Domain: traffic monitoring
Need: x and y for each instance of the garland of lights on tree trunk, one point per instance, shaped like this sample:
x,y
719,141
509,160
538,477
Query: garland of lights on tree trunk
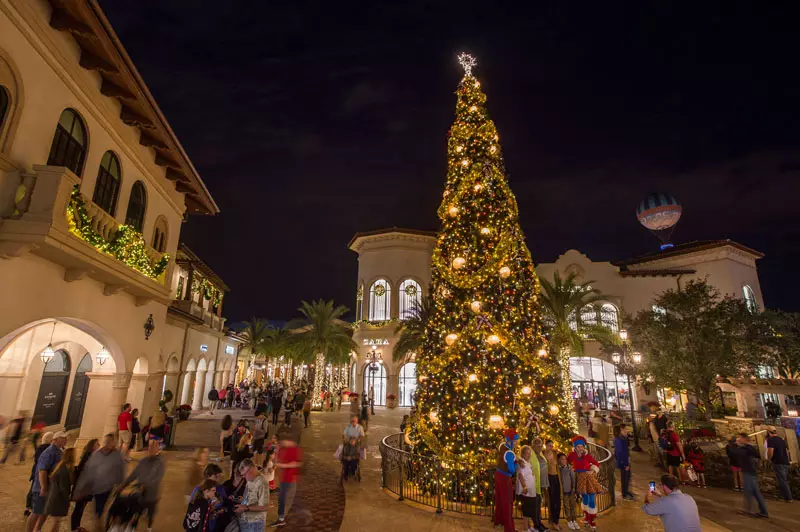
x,y
484,362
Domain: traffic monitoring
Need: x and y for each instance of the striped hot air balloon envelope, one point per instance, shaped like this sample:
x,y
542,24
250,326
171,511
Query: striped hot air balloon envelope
x,y
659,211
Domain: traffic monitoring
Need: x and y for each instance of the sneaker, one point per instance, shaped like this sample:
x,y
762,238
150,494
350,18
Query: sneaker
x,y
576,525
629,498
279,522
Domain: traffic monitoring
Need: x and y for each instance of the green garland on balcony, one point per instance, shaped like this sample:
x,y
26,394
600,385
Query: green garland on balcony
x,y
201,285
127,245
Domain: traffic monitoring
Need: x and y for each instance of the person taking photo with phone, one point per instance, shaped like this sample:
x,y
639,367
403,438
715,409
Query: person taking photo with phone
x,y
677,511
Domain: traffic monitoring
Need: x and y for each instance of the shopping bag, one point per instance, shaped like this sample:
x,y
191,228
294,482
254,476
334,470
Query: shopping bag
x,y
363,454
691,473
338,453
683,473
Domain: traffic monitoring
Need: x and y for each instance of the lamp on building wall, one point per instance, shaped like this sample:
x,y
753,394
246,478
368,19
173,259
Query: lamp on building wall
x,y
149,327
102,356
48,353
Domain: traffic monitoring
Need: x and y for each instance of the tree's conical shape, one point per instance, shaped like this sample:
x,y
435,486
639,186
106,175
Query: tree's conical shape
x,y
482,364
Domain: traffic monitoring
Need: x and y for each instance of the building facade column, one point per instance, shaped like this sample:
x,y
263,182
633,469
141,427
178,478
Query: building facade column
x,y
152,395
208,383
171,384
199,386
187,389
136,391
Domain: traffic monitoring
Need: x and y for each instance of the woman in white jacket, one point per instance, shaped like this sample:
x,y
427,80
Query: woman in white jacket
x,y
529,490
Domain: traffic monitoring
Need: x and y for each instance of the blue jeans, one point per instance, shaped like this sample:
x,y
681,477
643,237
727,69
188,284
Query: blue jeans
x,y
285,498
751,490
252,526
781,474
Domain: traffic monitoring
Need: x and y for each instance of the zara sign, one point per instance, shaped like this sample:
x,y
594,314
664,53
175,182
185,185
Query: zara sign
x,y
375,341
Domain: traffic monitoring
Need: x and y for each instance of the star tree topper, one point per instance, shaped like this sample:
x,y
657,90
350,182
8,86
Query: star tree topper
x,y
467,62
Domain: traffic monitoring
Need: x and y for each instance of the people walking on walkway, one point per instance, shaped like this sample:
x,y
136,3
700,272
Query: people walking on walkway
x,y
554,489
677,511
221,398
289,462
15,437
586,469
260,430
253,509
158,424
364,417
136,431
213,398
47,439
306,411
58,493
47,462
622,456
778,454
673,448
697,458
104,471
747,456
196,468
353,430
201,508
733,460
81,502
275,403
149,473
225,437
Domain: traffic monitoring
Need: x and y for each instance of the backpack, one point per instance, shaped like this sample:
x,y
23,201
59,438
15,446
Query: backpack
x,y
196,516
665,443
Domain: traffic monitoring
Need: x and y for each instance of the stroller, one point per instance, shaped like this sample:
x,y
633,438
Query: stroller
x,y
125,509
351,461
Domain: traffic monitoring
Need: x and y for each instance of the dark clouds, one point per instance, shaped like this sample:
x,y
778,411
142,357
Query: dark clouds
x,y
315,120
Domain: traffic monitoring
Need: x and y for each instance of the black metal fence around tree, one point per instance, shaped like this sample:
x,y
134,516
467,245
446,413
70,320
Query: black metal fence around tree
x,y
456,487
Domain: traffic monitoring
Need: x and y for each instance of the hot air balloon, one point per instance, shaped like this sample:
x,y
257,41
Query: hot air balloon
x,y
659,212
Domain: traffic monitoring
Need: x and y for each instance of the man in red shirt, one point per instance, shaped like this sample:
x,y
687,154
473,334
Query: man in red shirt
x,y
675,454
289,462
125,422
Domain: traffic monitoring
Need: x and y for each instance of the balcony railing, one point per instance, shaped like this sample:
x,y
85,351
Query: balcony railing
x,y
49,217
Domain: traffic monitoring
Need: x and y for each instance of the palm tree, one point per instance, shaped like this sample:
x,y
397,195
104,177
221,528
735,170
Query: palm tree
x,y
322,336
411,331
255,332
564,302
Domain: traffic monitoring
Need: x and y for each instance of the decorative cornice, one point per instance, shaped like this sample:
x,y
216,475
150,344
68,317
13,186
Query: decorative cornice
x,y
388,235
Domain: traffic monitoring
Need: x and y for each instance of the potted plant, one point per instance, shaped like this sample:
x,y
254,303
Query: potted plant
x,y
166,398
184,411
391,400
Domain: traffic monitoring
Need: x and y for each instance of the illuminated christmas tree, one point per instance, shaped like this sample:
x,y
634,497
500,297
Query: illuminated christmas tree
x,y
483,364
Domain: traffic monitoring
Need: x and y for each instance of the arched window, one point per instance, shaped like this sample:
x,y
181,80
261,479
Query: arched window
x,y
106,189
609,316
160,235
3,105
69,142
410,293
360,302
408,384
588,316
380,299
750,299
375,379
137,205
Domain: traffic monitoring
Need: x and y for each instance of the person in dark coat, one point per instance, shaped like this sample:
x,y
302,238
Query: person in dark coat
x,y
60,488
80,504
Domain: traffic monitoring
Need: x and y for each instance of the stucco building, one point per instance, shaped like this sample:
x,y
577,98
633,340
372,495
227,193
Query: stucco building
x,y
98,308
394,271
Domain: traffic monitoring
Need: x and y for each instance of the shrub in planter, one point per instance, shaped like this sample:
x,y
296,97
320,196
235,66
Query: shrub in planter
x,y
184,411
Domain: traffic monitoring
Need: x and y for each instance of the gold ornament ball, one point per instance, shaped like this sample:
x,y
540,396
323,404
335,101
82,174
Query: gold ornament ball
x,y
473,377
459,149
526,390
459,262
493,339
554,409
451,338
485,230
542,353
493,149
478,187
505,271
473,108
465,162
453,211
496,422
433,416
475,306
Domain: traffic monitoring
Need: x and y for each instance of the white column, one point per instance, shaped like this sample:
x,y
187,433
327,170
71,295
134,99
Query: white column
x,y
208,383
199,387
113,406
136,391
152,395
97,397
171,385
226,377
188,380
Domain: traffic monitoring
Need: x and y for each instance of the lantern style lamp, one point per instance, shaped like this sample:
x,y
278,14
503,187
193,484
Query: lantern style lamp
x,y
149,327
616,357
48,353
102,356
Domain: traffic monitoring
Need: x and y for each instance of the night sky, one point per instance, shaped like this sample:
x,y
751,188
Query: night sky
x,y
312,121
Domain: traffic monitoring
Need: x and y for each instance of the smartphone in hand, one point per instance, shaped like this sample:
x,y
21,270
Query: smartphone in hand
x,y
652,487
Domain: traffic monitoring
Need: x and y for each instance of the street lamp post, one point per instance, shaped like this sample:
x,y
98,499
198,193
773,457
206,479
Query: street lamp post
x,y
625,362
375,358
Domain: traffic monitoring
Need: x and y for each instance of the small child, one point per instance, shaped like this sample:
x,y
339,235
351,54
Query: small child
x,y
269,470
568,493
350,453
697,458
201,507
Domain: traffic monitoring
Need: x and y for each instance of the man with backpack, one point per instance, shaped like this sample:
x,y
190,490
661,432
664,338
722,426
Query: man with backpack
x,y
213,397
670,442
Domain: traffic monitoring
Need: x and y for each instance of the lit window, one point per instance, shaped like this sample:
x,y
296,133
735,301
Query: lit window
x,y
750,298
609,316
573,322
588,316
360,302
410,293
380,298
160,235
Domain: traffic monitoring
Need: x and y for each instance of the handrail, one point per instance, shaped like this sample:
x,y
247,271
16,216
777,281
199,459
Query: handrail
x,y
447,484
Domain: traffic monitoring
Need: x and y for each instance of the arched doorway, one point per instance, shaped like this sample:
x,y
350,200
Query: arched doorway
x,y
375,377
408,383
77,399
52,389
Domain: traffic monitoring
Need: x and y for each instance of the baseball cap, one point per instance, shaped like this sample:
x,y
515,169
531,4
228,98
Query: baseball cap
x,y
772,430
59,434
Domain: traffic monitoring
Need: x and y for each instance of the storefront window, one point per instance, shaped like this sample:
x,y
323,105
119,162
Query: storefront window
x,y
597,381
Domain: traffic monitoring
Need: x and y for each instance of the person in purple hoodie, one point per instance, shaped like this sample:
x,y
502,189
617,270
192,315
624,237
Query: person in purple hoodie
x,y
623,459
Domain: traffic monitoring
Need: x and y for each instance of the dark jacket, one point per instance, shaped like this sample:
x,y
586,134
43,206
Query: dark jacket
x,y
746,456
621,453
